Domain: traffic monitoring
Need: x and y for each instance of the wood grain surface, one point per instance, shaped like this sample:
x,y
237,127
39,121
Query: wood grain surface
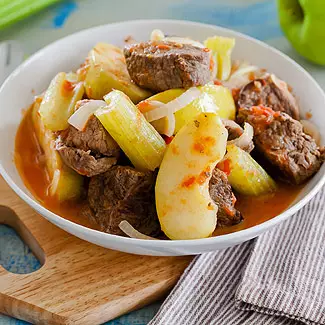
x,y
78,283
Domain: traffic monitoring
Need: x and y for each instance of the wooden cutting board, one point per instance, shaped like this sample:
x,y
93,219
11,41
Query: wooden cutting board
x,y
79,283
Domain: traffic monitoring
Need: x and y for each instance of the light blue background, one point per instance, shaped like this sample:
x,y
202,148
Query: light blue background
x,y
253,17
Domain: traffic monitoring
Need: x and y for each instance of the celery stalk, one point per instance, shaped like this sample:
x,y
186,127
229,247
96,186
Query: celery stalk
x,y
65,183
221,48
59,101
246,175
106,70
15,10
126,124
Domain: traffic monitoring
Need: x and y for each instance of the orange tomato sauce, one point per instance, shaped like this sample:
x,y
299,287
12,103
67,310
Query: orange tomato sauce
x,y
257,209
30,163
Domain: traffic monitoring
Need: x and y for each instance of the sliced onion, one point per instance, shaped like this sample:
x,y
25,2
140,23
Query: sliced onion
x,y
149,106
171,121
183,40
171,125
233,125
132,232
240,77
54,183
312,130
157,35
244,70
174,105
245,141
81,116
280,83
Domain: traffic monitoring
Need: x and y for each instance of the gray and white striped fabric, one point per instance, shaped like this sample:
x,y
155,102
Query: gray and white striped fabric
x,y
276,279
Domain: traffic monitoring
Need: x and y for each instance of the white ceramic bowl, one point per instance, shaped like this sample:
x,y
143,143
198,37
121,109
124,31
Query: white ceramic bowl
x,y
67,53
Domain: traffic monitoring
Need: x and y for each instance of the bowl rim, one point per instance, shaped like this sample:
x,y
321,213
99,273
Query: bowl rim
x,y
145,243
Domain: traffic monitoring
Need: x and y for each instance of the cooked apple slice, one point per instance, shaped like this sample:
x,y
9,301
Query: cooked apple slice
x,y
184,206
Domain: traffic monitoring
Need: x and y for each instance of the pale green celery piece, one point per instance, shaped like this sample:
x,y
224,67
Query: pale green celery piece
x,y
59,102
12,11
65,183
106,70
221,48
139,140
246,175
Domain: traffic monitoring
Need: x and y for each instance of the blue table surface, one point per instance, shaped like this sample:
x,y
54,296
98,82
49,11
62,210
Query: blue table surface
x,y
254,17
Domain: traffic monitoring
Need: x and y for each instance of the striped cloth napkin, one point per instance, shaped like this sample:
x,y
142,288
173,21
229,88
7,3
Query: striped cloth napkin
x,y
276,279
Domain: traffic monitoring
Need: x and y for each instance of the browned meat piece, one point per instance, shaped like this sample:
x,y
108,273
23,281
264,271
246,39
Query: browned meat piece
x,y
221,193
165,65
123,193
270,92
281,140
94,138
83,162
89,152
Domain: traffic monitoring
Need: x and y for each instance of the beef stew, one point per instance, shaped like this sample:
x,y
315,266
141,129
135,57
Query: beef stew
x,y
177,159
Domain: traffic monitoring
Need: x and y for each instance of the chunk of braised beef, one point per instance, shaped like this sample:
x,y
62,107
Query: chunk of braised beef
x,y
160,65
281,140
89,152
94,138
83,162
271,92
222,194
123,193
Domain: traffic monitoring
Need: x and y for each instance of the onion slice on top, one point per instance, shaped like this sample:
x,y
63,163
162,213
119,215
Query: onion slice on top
x,y
157,35
171,125
241,76
233,126
245,141
174,105
132,232
81,116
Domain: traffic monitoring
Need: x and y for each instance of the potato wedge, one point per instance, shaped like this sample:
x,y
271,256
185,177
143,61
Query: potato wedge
x,y
66,184
59,101
184,206
106,70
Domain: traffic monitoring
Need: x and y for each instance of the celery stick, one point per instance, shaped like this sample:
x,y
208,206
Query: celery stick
x,y
221,48
15,10
65,184
137,138
107,71
59,101
246,175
